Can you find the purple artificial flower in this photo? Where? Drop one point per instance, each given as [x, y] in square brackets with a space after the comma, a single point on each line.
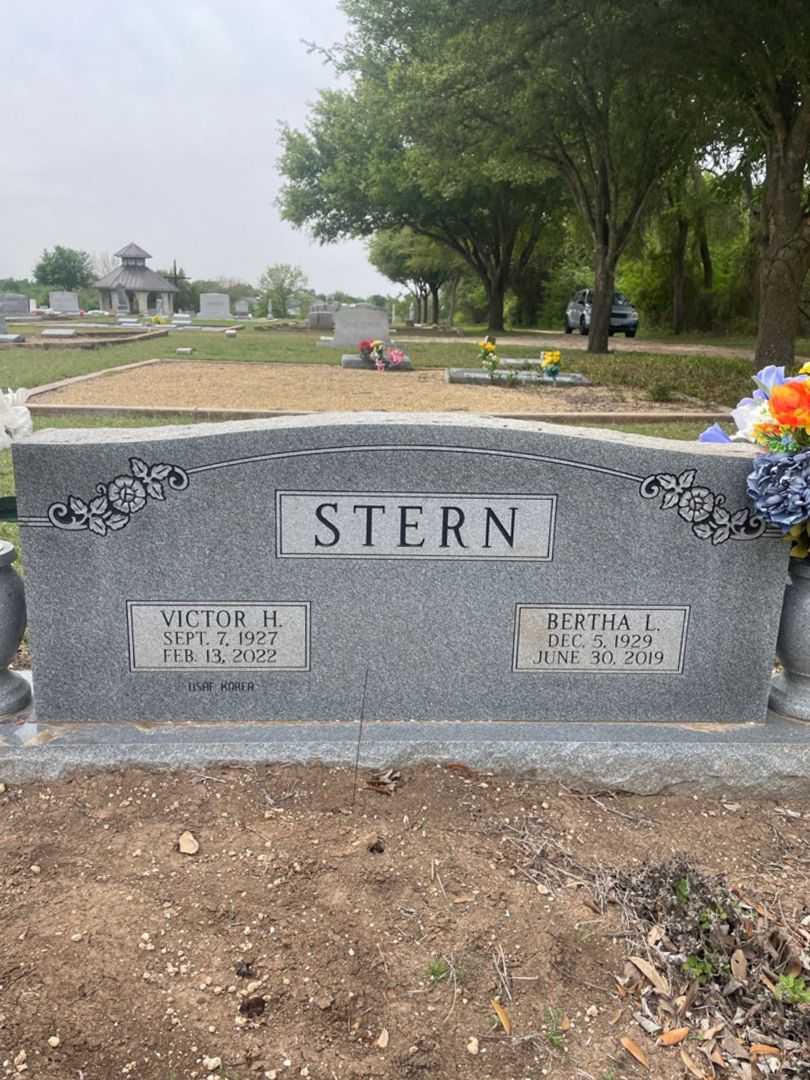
[768, 378]
[779, 485]
[714, 434]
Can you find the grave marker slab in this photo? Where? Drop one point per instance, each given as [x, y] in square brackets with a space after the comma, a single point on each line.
[480, 569]
[215, 306]
[67, 303]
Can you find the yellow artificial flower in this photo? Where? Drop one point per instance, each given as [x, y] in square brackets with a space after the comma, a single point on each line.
[805, 369]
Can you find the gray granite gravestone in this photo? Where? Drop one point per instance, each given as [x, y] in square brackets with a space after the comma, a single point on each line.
[13, 304]
[215, 306]
[66, 303]
[356, 322]
[478, 569]
[241, 309]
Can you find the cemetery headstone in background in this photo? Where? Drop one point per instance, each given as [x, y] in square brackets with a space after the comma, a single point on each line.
[66, 303]
[356, 322]
[215, 306]
[241, 309]
[322, 315]
[476, 569]
[13, 304]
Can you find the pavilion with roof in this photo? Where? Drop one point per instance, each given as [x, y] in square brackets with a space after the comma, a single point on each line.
[135, 289]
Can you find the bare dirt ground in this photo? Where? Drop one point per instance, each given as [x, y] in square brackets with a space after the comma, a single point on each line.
[309, 937]
[318, 387]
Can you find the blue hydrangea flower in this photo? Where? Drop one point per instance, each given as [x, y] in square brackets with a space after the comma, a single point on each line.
[779, 485]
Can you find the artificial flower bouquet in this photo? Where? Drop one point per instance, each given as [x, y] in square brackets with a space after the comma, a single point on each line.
[488, 354]
[550, 363]
[777, 419]
[382, 357]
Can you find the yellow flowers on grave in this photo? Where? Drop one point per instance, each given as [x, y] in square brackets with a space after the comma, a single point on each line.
[550, 363]
[488, 355]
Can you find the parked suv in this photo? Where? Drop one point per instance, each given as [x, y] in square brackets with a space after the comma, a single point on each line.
[623, 316]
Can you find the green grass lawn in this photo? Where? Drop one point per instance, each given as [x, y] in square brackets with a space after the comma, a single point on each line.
[709, 379]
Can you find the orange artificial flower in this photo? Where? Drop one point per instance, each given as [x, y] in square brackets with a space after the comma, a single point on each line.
[790, 403]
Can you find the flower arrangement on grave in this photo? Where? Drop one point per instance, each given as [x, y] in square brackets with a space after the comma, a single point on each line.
[382, 357]
[488, 354]
[15, 419]
[776, 418]
[550, 363]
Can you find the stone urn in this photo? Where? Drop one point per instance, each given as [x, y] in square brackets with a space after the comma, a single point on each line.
[790, 689]
[15, 691]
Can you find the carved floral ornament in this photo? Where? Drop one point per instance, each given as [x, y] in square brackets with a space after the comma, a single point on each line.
[119, 499]
[116, 501]
[703, 509]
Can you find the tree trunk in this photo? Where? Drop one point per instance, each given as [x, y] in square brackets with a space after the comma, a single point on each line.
[434, 292]
[496, 293]
[605, 279]
[679, 276]
[785, 248]
[452, 295]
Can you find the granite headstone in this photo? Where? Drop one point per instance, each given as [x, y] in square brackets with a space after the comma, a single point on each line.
[13, 304]
[356, 322]
[66, 303]
[476, 569]
[215, 305]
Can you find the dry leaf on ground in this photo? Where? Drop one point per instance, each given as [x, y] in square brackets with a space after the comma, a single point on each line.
[649, 972]
[671, 1038]
[636, 1051]
[502, 1015]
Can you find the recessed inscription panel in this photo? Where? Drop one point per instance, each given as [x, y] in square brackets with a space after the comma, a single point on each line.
[413, 525]
[226, 637]
[626, 640]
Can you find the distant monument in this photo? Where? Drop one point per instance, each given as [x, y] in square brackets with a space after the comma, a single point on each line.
[66, 303]
[215, 305]
[13, 304]
[133, 284]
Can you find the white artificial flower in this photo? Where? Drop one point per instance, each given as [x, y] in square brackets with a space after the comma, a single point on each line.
[15, 418]
[749, 413]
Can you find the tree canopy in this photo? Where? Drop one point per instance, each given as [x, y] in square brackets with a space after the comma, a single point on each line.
[64, 268]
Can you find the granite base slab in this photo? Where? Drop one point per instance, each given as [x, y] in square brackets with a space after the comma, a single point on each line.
[511, 377]
[770, 760]
[359, 363]
[11, 339]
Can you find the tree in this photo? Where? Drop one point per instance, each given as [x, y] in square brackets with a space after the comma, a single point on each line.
[587, 87]
[423, 266]
[363, 166]
[282, 283]
[758, 60]
[64, 268]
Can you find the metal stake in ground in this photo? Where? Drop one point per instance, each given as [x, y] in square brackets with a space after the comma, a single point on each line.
[360, 736]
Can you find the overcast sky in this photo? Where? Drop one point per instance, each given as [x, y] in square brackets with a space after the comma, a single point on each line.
[156, 121]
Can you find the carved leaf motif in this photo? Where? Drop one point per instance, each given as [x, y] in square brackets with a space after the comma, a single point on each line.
[703, 531]
[155, 489]
[99, 504]
[97, 526]
[687, 478]
[740, 518]
[160, 472]
[139, 468]
[721, 517]
[667, 481]
[78, 506]
[117, 521]
[722, 534]
[670, 500]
